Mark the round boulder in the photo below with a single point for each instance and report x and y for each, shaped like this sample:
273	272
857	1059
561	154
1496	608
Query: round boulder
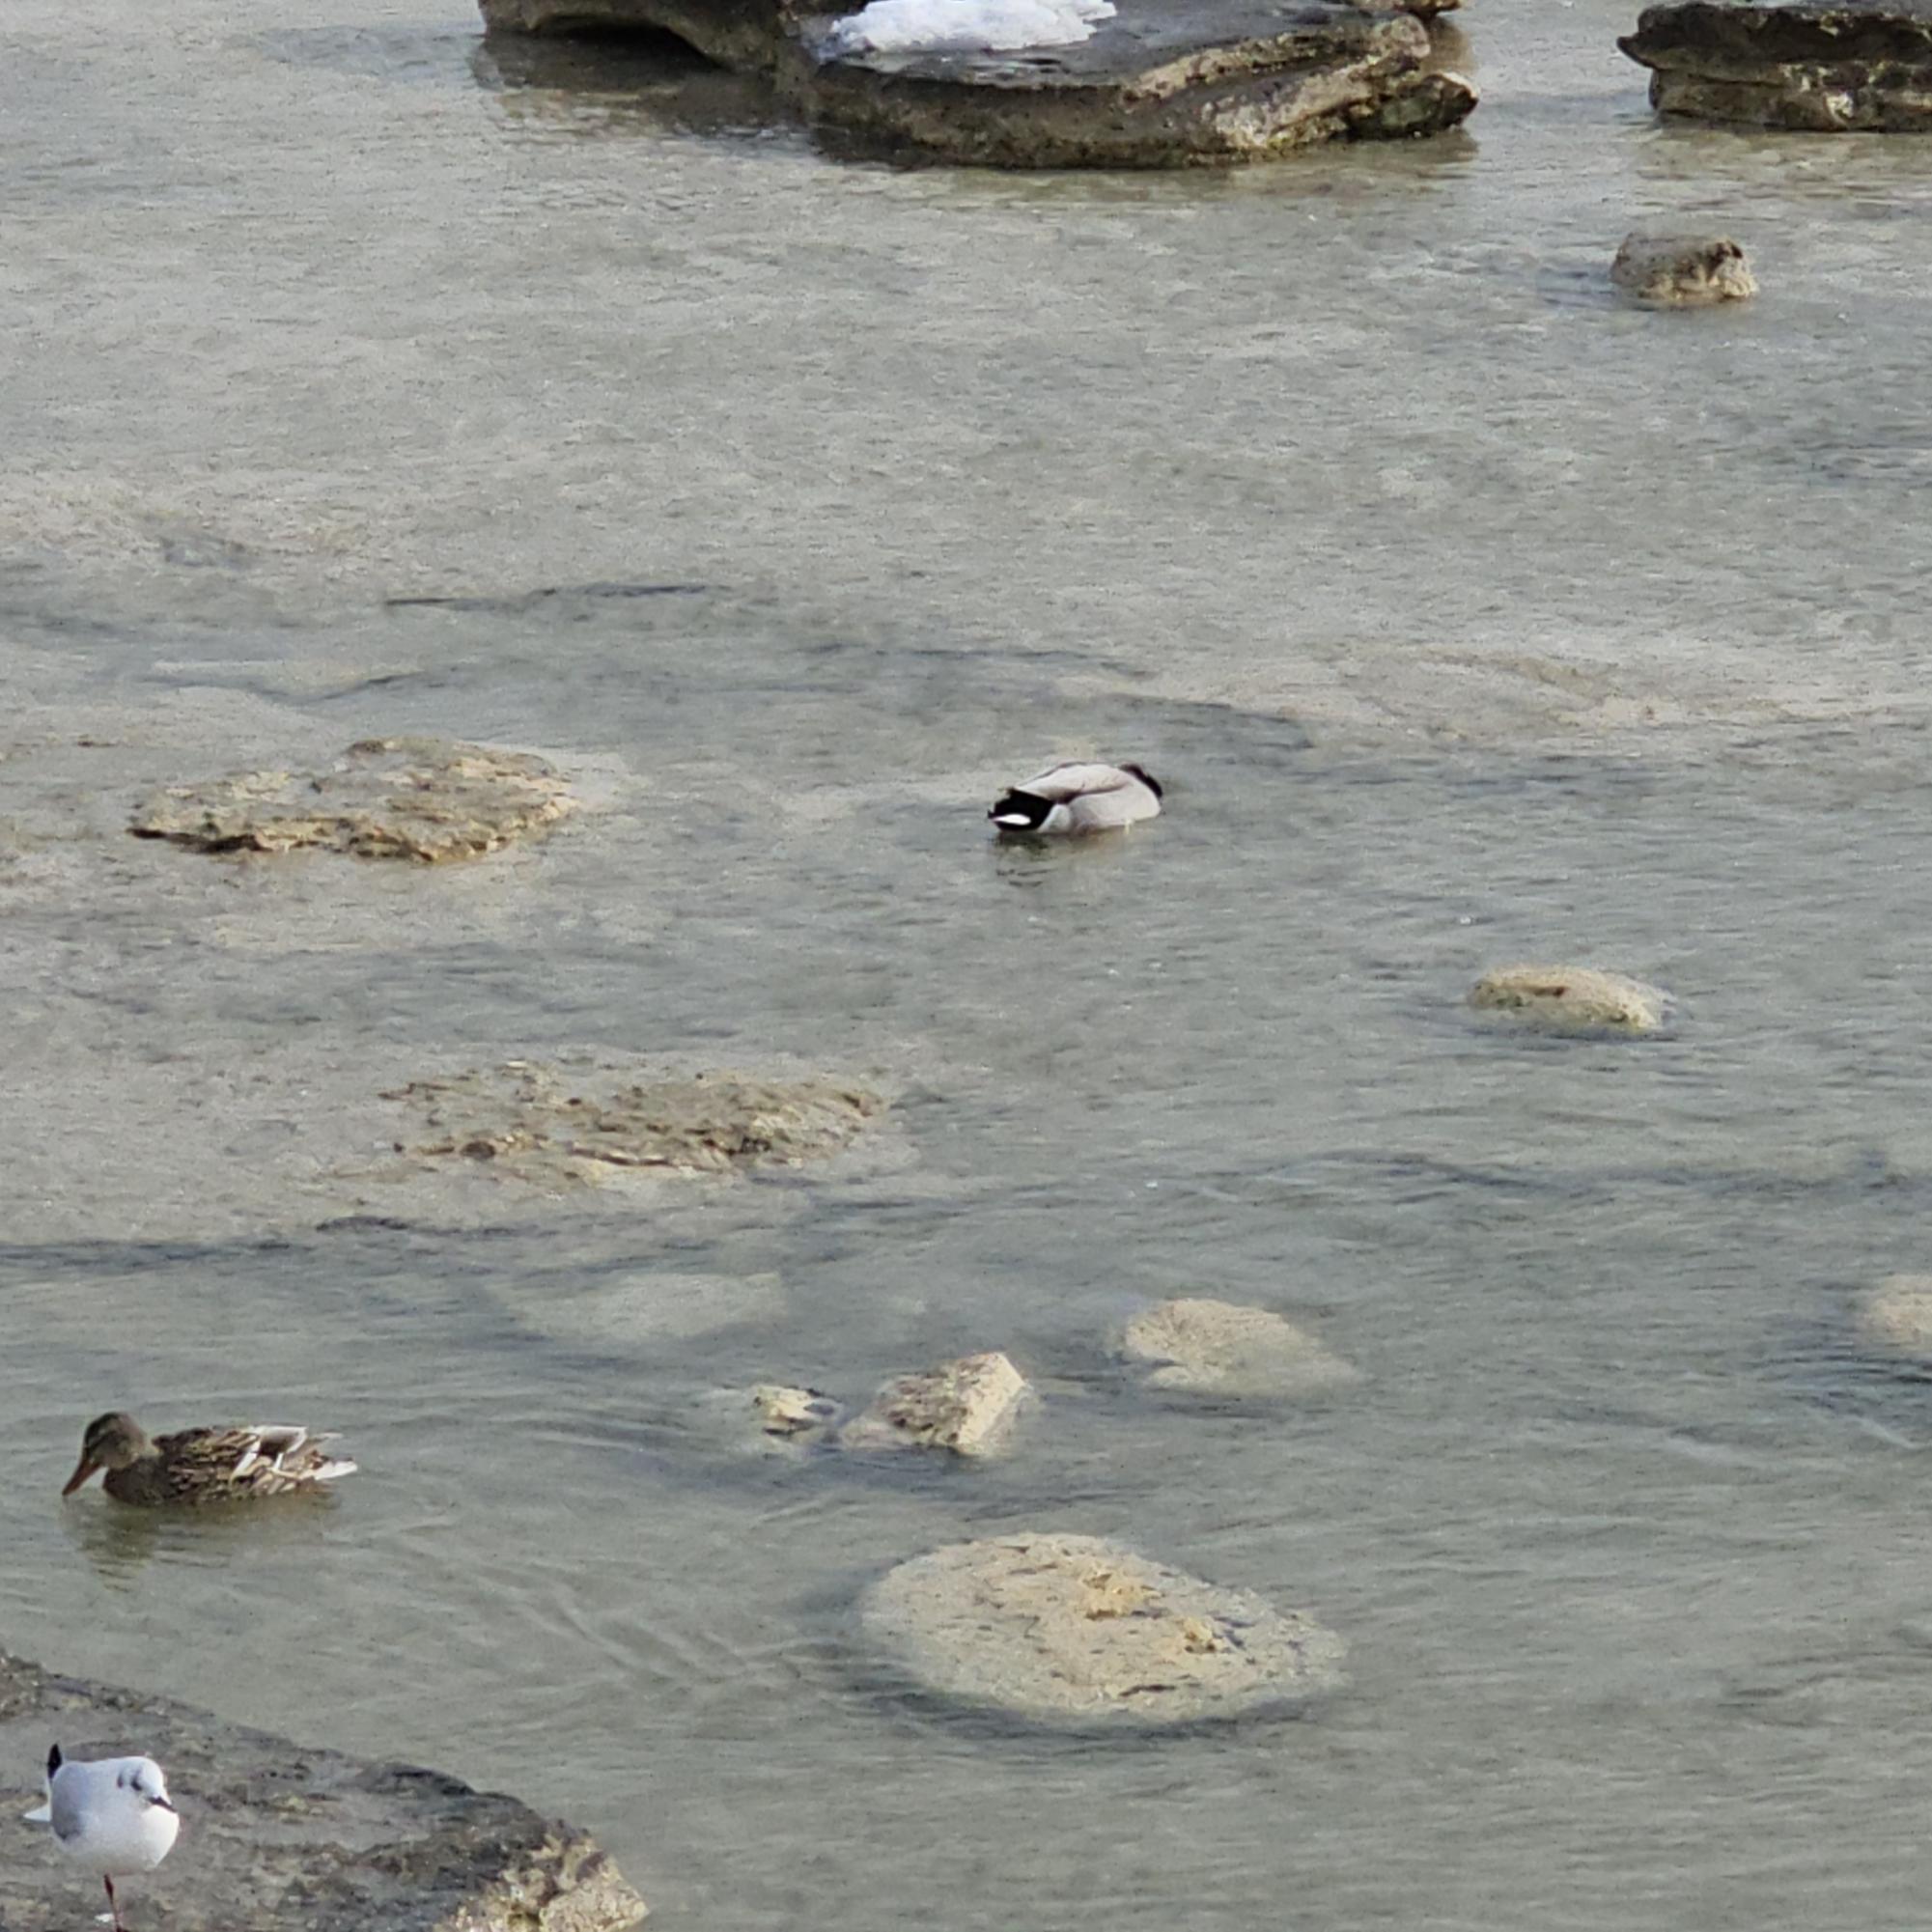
1680	272
1078	1632
1204	1347
1572	1000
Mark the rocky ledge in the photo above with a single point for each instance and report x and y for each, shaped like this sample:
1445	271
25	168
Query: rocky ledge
1821	65
274	1834
1164	83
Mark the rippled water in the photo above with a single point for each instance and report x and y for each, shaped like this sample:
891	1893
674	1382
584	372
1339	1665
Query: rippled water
796	504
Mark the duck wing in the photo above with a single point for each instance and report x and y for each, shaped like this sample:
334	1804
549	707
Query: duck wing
1062	783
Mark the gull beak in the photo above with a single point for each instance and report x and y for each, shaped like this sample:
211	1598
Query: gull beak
164	1805
82	1470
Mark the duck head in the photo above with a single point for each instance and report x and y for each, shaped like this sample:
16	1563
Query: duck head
111	1442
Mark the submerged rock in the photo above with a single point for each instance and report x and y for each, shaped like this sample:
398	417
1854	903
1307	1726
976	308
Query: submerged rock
1163	83
278	1838
788	1412
1223	1348
550	1125
423	799
1683	270
1080	1632
1896	1315
1822	66
966	1406
1572	1000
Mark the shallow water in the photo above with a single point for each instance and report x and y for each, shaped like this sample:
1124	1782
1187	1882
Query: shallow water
795	504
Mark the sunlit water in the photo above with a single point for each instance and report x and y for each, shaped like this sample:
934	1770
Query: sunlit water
1472	617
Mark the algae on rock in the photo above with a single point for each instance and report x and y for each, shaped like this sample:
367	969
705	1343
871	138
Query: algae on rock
423	799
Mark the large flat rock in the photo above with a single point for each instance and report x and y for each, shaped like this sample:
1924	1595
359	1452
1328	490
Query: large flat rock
276	1836
1163	83
1820	65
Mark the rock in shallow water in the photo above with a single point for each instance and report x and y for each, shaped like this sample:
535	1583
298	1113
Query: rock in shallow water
275	1835
966	1406
1572	1000
1820	65
1683	270
1078	1632
1205	1346
422	798
552	1125
1896	1316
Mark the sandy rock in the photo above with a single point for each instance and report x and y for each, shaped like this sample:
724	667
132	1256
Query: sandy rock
966	1406
787	1412
552	1126
1223	1348
1080	1632
1165	83
1897	1315
422	798
1683	270
1821	65
277	1838
1572	1000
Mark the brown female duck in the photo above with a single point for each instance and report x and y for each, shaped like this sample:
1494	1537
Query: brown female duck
202	1465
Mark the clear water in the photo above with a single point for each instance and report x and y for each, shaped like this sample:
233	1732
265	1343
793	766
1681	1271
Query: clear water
1472	617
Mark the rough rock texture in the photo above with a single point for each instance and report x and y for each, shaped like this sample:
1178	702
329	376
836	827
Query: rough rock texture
1223	1348
1164	84
1572	1000
782	1411
1823	66
1683	270
275	1835
554	1126
1897	1315
1078	1632
966	1406
422	798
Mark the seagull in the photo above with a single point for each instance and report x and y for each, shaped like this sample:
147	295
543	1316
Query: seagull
1078	799
112	1815
202	1465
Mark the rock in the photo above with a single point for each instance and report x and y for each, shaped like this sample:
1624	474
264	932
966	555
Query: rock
1897	1315
553	1126
966	1406
788	1413
1163	84
1683	270
1078	1632
1821	65
1572	1000
278	1838
421	799
1223	1348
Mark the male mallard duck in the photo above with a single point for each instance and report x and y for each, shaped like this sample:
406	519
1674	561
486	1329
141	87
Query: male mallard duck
202	1465
1078	799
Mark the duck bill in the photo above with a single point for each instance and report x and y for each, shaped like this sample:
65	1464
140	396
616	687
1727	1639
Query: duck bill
82	1470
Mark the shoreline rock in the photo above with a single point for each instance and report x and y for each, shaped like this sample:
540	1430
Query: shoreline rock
1204	1347
278	1838
1572	1000
1673	271
427	800
1165	83
1811	65
966	1407
1079	1633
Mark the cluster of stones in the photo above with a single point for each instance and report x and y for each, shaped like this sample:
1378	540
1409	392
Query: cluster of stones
1165	83
1820	65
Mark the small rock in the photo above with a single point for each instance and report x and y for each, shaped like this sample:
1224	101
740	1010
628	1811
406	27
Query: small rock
421	799
553	1126
966	1406
1080	1632
1683	270
788	1413
1572	1000
1897	1315
1224	1347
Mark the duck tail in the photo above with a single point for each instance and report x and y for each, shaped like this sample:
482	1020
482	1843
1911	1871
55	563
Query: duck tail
1024	811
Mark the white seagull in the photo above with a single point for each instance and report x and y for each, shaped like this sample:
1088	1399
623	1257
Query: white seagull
112	1815
1078	799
